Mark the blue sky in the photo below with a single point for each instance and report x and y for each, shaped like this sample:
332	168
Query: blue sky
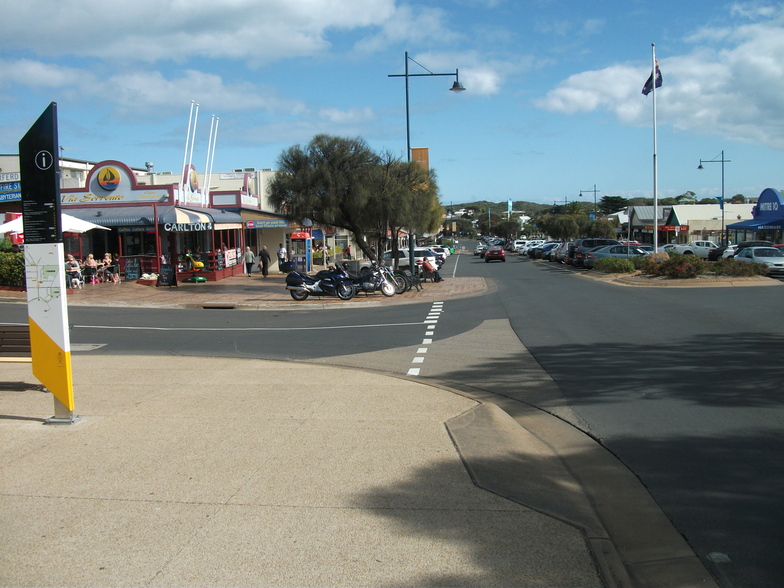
553	103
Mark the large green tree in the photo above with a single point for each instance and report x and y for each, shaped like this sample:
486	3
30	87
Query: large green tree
612	204
341	182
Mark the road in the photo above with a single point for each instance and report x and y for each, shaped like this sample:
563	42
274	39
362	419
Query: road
682	384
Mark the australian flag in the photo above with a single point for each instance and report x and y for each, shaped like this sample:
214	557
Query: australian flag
648	87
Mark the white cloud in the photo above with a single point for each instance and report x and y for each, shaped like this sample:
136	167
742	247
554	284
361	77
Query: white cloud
36	74
407	23
154	30
347	117
732	85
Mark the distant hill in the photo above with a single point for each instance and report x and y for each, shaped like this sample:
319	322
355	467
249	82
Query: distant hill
501	207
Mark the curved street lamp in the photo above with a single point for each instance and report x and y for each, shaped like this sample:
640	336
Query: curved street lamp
722	161
457	87
594	190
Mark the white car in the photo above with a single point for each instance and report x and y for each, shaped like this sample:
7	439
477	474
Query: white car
530	245
420	253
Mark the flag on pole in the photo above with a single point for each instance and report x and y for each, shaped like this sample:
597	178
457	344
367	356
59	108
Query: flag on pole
648	87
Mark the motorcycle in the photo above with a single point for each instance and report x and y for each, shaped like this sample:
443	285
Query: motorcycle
370	279
325	283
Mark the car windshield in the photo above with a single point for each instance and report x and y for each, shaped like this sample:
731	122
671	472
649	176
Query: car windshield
768	252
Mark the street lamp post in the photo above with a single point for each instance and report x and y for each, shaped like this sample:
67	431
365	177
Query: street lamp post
456	87
722	161
594	190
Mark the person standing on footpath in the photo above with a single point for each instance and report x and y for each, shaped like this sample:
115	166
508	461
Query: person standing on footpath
264	261
282	255
248	258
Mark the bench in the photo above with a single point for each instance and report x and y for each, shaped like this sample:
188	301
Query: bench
15	344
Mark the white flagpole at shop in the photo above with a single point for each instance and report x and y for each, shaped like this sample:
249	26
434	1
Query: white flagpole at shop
183	179
205	196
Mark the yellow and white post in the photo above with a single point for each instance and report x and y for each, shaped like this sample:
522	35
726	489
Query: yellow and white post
47	308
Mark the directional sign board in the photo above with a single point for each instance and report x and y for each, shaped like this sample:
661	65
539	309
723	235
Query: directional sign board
47	309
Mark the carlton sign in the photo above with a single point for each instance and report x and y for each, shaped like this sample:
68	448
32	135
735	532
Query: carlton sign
187	227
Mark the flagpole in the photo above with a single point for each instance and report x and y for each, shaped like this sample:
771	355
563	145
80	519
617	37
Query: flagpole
655	163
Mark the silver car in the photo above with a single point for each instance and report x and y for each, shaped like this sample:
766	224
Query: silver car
770	256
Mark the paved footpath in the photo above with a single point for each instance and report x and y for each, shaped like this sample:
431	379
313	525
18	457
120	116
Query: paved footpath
270	480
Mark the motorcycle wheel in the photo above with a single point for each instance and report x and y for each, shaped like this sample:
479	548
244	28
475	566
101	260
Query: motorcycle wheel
298	295
387	289
345	291
401	284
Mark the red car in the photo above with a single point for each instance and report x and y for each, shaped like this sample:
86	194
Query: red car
495	252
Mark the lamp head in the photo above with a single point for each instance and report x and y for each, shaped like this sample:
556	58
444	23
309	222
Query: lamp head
457	87
700	166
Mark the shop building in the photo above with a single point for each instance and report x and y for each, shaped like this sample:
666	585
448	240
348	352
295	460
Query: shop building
151	224
154	218
767	222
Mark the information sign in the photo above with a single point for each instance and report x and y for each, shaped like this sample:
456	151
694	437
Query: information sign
133	268
167	276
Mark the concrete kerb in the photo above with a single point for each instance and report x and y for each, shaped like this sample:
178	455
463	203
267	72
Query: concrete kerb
536	459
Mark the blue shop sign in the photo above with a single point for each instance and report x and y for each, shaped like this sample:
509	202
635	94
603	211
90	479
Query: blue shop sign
10	191
277	223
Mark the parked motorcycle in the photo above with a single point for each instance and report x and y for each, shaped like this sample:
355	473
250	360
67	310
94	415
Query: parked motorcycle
370	279
325	283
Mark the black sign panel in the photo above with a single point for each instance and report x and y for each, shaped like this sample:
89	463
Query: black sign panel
167	277
133	269
39	165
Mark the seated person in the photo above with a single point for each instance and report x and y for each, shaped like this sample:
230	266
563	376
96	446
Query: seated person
90	268
430	268
108	272
73	272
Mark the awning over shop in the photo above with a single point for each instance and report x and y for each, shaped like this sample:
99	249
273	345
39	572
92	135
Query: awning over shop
178	219
763	224
174	218
115	216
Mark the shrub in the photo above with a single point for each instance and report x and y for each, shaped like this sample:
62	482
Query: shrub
677	266
614	265
734	268
638	262
12	269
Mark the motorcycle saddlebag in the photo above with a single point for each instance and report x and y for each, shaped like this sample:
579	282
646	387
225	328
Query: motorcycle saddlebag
293	280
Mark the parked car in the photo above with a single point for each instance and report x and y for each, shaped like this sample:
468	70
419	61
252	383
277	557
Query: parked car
770	256
730	251
402	257
523	250
543	251
583	245
559	253
495	253
442	250
619	251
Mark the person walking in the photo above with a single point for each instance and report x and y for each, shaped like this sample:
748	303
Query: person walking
264	261
282	255
249	259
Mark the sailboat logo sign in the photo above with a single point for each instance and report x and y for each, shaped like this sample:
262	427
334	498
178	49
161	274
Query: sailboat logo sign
109	178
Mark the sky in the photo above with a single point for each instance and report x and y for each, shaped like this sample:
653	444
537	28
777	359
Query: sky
552	108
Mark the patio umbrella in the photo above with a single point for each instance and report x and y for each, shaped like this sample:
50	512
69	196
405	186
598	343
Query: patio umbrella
70	224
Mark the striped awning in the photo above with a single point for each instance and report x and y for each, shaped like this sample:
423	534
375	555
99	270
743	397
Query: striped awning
176	219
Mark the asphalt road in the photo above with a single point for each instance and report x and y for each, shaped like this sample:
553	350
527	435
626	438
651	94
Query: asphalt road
683	385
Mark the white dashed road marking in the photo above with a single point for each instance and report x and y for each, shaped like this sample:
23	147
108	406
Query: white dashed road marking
432	318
